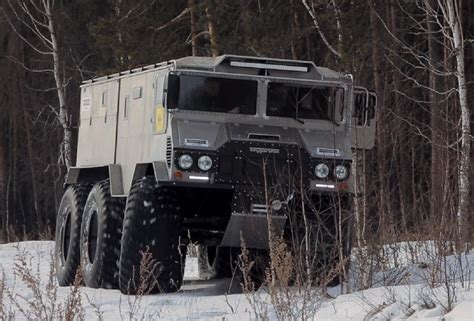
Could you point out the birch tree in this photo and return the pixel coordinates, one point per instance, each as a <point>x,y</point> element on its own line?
<point>454,34</point>
<point>312,12</point>
<point>36,17</point>
<point>445,38</point>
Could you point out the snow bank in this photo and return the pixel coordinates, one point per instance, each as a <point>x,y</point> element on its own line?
<point>206,300</point>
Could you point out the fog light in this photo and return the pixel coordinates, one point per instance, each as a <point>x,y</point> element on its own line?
<point>341,172</point>
<point>276,205</point>
<point>321,170</point>
<point>185,161</point>
<point>204,163</point>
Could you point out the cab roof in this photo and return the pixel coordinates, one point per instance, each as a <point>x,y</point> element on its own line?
<point>256,66</point>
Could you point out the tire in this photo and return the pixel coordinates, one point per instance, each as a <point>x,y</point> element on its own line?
<point>101,232</point>
<point>68,228</point>
<point>151,231</point>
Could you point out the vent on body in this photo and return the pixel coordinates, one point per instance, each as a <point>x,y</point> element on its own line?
<point>169,151</point>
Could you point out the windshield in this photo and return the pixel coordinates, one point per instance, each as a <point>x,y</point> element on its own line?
<point>305,102</point>
<point>224,95</point>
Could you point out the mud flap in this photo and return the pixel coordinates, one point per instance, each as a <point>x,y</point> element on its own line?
<point>253,229</point>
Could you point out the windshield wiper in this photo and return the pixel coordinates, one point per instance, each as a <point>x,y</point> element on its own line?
<point>296,115</point>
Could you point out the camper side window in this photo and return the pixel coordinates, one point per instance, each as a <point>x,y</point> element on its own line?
<point>137,92</point>
<point>159,87</point>
<point>104,99</point>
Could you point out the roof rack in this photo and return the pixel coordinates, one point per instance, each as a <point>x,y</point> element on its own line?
<point>127,72</point>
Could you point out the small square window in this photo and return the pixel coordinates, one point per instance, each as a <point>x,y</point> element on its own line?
<point>137,92</point>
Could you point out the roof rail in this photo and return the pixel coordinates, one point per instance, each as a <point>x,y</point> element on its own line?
<point>127,72</point>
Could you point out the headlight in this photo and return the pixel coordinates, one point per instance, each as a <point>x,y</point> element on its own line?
<point>185,161</point>
<point>341,172</point>
<point>204,163</point>
<point>321,170</point>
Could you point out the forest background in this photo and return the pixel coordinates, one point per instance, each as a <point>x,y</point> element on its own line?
<point>418,55</point>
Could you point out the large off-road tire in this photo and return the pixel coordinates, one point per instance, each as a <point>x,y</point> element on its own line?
<point>101,232</point>
<point>68,228</point>
<point>151,256</point>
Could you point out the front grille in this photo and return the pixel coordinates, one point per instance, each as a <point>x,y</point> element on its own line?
<point>243,162</point>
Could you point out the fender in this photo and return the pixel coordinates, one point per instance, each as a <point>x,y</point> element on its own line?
<point>98,173</point>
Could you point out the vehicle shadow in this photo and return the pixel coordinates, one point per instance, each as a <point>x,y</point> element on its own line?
<point>211,287</point>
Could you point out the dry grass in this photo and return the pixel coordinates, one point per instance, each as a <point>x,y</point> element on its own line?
<point>42,301</point>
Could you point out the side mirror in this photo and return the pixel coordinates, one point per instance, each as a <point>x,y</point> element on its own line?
<point>365,103</point>
<point>372,104</point>
<point>172,91</point>
<point>363,118</point>
<point>360,104</point>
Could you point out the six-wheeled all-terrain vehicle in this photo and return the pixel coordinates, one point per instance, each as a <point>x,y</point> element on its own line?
<point>213,151</point>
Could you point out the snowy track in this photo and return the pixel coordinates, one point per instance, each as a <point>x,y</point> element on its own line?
<point>206,300</point>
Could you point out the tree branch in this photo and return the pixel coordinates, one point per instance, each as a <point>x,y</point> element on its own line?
<point>312,13</point>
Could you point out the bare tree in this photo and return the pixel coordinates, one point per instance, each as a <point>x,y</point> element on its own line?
<point>192,12</point>
<point>212,27</point>
<point>454,34</point>
<point>435,56</point>
<point>312,12</point>
<point>3,178</point>
<point>37,17</point>
<point>444,34</point>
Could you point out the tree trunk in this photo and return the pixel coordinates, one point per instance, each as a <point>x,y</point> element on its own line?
<point>3,179</point>
<point>60,89</point>
<point>464,183</point>
<point>377,59</point>
<point>337,17</point>
<point>192,13</point>
<point>295,25</point>
<point>31,155</point>
<point>211,25</point>
<point>402,161</point>
<point>435,52</point>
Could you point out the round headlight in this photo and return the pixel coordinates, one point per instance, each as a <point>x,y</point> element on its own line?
<point>204,163</point>
<point>321,170</point>
<point>341,172</point>
<point>185,161</point>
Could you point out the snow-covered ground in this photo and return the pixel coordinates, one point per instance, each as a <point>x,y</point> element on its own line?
<point>411,299</point>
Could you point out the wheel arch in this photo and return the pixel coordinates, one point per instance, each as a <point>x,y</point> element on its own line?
<point>114,172</point>
<point>157,169</point>
<point>96,174</point>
